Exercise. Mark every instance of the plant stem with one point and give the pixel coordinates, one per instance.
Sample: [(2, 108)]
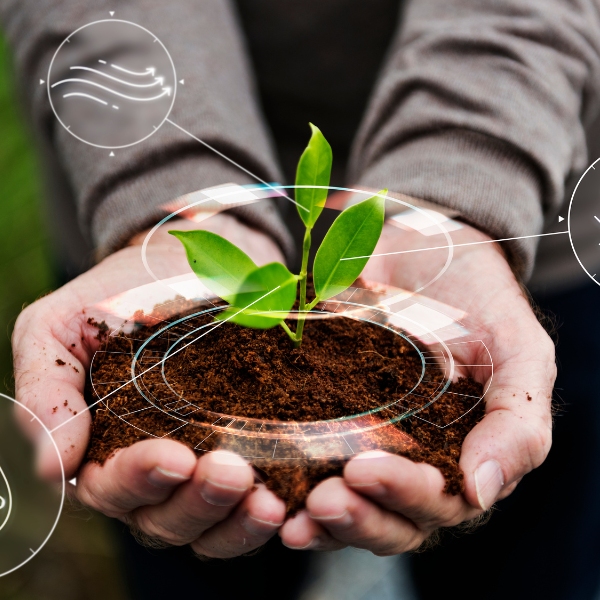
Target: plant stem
[(288, 331), (313, 303), (302, 280)]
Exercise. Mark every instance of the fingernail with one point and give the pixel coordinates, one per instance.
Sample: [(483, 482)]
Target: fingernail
[(163, 478), (489, 480), (223, 457), (314, 543), (372, 454), (342, 521), (218, 494), (373, 489), (256, 526)]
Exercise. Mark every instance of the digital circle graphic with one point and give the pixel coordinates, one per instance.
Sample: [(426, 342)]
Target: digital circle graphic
[(433, 224), (121, 93), (258, 438), (29, 507), (159, 401), (584, 222)]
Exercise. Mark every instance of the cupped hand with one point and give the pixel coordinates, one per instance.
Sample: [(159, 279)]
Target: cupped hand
[(386, 503), (157, 486)]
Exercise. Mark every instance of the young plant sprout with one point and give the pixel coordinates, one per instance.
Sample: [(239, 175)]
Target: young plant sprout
[(262, 297)]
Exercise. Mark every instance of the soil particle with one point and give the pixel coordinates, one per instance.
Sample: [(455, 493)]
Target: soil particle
[(528, 398), (60, 363), (101, 327)]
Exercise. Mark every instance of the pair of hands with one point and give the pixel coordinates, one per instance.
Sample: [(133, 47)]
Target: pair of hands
[(383, 503)]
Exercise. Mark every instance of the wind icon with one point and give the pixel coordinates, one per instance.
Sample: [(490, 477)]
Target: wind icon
[(132, 86)]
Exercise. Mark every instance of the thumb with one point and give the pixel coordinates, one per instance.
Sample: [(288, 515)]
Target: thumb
[(513, 438)]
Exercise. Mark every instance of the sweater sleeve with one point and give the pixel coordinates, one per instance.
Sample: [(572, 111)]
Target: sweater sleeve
[(482, 107), (118, 196)]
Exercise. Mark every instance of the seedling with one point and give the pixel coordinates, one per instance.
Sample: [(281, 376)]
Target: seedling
[(262, 297)]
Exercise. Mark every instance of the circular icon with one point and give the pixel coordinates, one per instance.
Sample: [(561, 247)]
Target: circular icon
[(29, 507), (111, 84), (584, 222)]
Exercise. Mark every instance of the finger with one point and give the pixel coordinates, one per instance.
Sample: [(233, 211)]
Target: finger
[(303, 533), (253, 523), (516, 434), (220, 481), (356, 521), (51, 353), (53, 392), (145, 473), (415, 490)]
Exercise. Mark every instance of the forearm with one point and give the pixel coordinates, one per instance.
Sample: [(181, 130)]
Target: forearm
[(259, 246), (118, 196), (482, 107)]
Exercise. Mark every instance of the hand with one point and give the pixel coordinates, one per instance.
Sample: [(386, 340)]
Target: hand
[(389, 505), (158, 486)]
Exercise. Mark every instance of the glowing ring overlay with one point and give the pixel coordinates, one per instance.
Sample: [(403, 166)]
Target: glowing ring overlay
[(281, 187), (62, 497), (294, 314), (134, 25), (300, 429)]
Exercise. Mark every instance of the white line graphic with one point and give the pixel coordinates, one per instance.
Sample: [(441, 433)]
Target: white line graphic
[(234, 163), (4, 501), (157, 80), (85, 96), (166, 90), (523, 237), (148, 71)]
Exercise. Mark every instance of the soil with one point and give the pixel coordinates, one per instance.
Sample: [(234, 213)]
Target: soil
[(344, 367)]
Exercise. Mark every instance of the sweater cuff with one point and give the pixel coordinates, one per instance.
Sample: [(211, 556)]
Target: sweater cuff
[(137, 204), (490, 184)]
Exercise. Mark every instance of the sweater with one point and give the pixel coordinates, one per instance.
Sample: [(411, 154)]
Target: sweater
[(480, 106)]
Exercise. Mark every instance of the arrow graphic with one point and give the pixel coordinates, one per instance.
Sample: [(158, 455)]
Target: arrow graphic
[(157, 80), (166, 90), (148, 71)]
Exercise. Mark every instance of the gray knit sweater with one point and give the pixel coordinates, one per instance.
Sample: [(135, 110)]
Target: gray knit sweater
[(478, 105)]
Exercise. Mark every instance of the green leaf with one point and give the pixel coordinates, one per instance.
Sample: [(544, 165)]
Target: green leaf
[(354, 233), (220, 265), (314, 168), (254, 294)]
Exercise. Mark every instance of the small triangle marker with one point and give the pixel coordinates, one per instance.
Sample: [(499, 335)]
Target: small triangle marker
[(181, 81), (112, 154), (73, 481), (111, 12), (561, 219), (42, 82)]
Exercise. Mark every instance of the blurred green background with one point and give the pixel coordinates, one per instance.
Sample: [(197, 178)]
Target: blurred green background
[(79, 562)]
